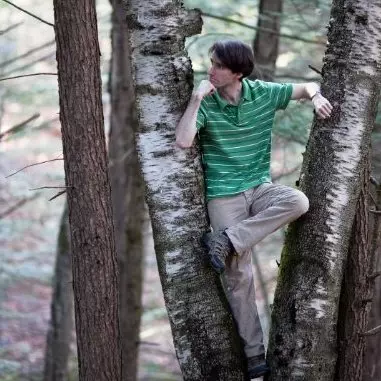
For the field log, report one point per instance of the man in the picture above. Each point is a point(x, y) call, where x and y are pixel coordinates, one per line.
point(234, 118)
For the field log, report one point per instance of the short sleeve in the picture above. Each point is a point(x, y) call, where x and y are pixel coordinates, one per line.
point(201, 117)
point(280, 94)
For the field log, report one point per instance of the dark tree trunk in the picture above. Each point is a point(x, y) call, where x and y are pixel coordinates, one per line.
point(127, 192)
point(61, 321)
point(356, 292)
point(94, 260)
point(266, 43)
point(372, 358)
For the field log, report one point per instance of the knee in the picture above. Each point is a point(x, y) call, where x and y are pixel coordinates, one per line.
point(301, 203)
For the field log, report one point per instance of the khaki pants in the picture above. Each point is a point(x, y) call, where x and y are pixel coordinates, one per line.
point(249, 217)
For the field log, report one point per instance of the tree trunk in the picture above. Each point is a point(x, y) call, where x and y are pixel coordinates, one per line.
point(94, 261)
point(356, 292)
point(61, 321)
point(203, 329)
point(303, 335)
point(265, 44)
point(372, 358)
point(127, 193)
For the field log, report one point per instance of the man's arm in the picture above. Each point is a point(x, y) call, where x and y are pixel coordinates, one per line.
point(311, 91)
point(186, 129)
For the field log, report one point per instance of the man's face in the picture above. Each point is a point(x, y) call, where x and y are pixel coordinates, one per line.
point(220, 75)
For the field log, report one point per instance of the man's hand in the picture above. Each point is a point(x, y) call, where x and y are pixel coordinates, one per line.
point(205, 88)
point(322, 106)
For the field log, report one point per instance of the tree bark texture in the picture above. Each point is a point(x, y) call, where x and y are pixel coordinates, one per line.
point(127, 192)
point(95, 279)
point(303, 338)
point(356, 292)
point(203, 329)
point(61, 320)
point(266, 43)
point(372, 358)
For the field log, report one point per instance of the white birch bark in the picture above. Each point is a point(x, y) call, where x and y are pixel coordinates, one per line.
point(202, 327)
point(303, 336)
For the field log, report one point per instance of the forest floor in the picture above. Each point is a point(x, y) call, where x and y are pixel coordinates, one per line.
point(28, 244)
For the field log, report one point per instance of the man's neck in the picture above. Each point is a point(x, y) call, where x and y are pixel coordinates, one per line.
point(231, 93)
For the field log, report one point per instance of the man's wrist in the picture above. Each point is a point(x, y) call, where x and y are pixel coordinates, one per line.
point(317, 92)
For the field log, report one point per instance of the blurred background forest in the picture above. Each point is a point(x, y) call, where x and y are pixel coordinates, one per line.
point(29, 221)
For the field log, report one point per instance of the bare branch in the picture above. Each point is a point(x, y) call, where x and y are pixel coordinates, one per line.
point(29, 64)
point(26, 54)
point(374, 181)
point(28, 13)
point(371, 331)
point(18, 126)
point(374, 275)
point(10, 28)
point(18, 205)
point(69, 187)
point(57, 195)
point(26, 75)
point(32, 165)
point(375, 211)
point(262, 29)
point(315, 70)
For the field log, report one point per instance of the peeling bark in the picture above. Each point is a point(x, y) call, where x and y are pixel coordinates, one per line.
point(205, 338)
point(303, 336)
point(127, 192)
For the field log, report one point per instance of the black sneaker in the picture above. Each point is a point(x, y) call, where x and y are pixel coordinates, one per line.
point(219, 247)
point(257, 366)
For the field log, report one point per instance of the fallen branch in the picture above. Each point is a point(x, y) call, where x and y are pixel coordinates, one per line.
point(32, 165)
point(26, 75)
point(18, 126)
point(28, 13)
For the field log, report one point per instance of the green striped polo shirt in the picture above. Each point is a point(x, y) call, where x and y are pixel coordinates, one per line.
point(236, 140)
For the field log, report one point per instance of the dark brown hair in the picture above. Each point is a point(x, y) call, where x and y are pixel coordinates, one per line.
point(235, 55)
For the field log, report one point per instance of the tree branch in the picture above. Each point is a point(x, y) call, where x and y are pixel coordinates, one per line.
point(375, 211)
point(26, 54)
point(69, 187)
point(371, 331)
point(18, 205)
point(29, 64)
point(57, 195)
point(10, 28)
point(28, 13)
point(32, 165)
point(26, 75)
point(18, 126)
point(222, 18)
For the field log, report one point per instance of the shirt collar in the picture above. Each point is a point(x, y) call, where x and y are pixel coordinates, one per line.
point(246, 95)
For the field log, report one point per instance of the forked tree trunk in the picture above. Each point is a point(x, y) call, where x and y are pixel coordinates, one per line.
point(94, 260)
point(266, 41)
point(202, 326)
point(303, 334)
point(127, 192)
point(59, 335)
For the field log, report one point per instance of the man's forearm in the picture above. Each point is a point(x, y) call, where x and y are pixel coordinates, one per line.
point(186, 129)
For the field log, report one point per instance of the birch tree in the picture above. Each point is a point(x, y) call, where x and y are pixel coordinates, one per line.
point(94, 263)
point(204, 335)
point(303, 334)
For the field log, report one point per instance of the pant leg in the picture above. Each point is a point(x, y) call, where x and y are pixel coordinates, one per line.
point(238, 276)
point(271, 207)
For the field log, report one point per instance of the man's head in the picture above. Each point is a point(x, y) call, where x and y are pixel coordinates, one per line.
point(230, 60)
